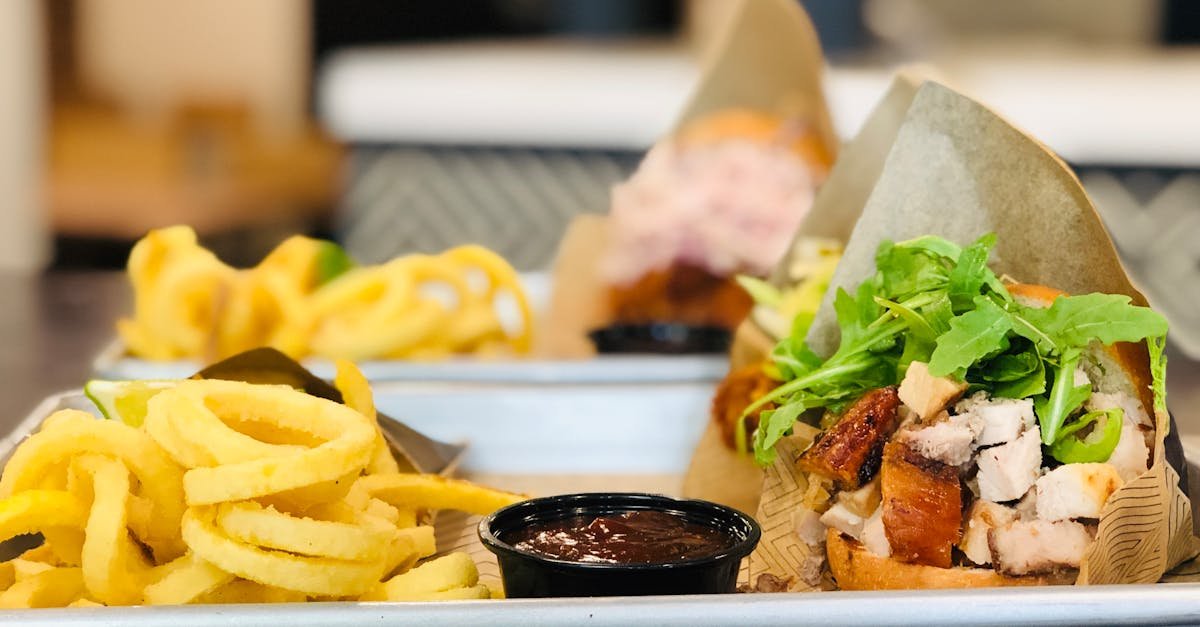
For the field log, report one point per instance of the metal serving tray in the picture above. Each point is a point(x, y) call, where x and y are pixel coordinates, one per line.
point(624, 437)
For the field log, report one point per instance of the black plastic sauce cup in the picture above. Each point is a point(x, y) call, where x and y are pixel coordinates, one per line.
point(528, 574)
point(667, 338)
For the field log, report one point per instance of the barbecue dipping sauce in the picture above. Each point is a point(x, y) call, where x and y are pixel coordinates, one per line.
point(633, 537)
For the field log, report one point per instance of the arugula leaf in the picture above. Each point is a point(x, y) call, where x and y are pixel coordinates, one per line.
point(972, 336)
point(1158, 371)
point(1031, 384)
point(903, 270)
point(933, 244)
point(1107, 318)
point(970, 273)
point(778, 423)
point(1011, 366)
point(1065, 397)
point(1097, 446)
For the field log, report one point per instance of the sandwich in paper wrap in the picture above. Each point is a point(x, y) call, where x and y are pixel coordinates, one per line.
point(676, 232)
point(955, 174)
point(718, 472)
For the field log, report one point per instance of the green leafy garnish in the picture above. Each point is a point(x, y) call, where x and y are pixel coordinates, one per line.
point(972, 336)
point(1158, 371)
point(1065, 397)
point(332, 262)
point(934, 301)
point(1096, 446)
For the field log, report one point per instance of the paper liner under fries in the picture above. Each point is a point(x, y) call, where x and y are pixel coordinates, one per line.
point(958, 170)
point(717, 473)
point(766, 58)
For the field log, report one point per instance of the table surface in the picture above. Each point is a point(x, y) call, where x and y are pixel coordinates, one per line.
point(52, 325)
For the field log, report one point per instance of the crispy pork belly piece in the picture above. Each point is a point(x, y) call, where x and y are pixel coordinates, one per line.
point(925, 394)
point(1028, 547)
point(848, 452)
point(1007, 471)
point(841, 518)
point(1131, 457)
point(998, 420)
point(874, 536)
point(1076, 491)
point(922, 506)
point(982, 517)
point(947, 441)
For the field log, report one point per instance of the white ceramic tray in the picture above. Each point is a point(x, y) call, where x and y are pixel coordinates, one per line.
point(632, 437)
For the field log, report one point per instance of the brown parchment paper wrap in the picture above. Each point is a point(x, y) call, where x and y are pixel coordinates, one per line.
point(958, 170)
point(717, 473)
point(768, 58)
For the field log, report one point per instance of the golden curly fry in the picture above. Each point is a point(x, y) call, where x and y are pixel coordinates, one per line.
point(433, 492)
point(185, 580)
point(72, 433)
point(178, 287)
point(114, 568)
point(283, 505)
point(356, 394)
point(251, 523)
point(189, 304)
point(53, 587)
point(456, 570)
point(346, 448)
point(310, 575)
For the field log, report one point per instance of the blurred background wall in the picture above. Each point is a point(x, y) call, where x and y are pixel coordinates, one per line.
point(23, 233)
point(401, 125)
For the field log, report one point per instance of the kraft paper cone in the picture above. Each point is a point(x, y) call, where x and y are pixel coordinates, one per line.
point(767, 58)
point(958, 170)
point(717, 473)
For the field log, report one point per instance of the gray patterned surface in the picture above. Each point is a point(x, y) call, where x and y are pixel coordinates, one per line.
point(1154, 218)
point(515, 201)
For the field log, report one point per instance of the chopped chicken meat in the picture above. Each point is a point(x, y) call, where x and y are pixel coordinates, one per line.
point(982, 518)
point(840, 518)
point(925, 394)
point(1080, 377)
point(922, 506)
point(997, 420)
point(849, 451)
point(1027, 506)
point(1132, 407)
point(947, 441)
point(1038, 546)
point(1131, 457)
point(874, 536)
point(1075, 491)
point(1007, 471)
point(808, 527)
point(1134, 411)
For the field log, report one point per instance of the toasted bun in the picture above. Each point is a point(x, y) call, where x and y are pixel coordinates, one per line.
point(856, 568)
point(1123, 367)
point(756, 126)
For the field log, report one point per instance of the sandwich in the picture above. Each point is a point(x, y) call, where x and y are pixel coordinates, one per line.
point(719, 198)
point(968, 430)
